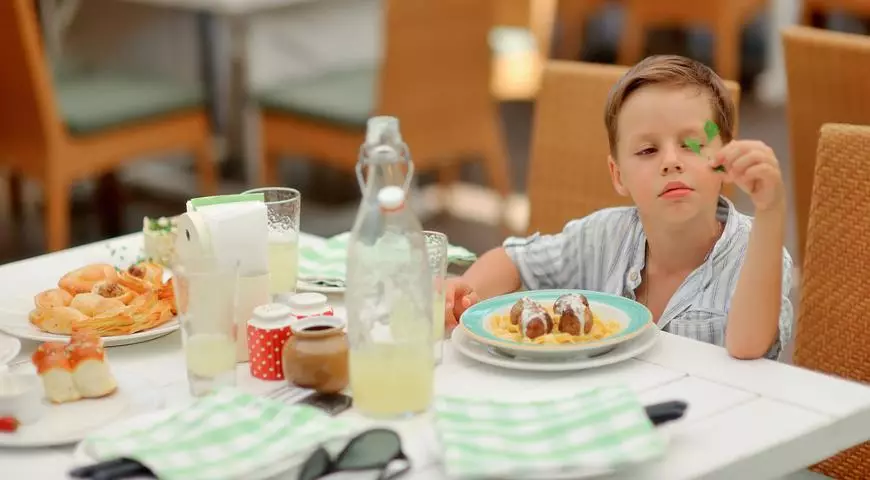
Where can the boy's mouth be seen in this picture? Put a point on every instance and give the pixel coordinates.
(675, 189)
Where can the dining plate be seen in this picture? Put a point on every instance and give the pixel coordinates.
(471, 348)
(68, 423)
(14, 321)
(634, 319)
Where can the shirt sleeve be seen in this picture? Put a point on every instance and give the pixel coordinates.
(548, 261)
(786, 312)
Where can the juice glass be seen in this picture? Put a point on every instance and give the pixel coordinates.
(283, 206)
(436, 247)
(206, 299)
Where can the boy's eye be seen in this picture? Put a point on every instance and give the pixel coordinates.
(647, 151)
(687, 146)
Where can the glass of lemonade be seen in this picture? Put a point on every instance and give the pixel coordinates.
(283, 207)
(436, 246)
(206, 298)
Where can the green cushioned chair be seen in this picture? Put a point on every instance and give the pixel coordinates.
(94, 101)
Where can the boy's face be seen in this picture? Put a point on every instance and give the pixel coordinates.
(653, 164)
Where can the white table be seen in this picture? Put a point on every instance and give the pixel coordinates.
(756, 419)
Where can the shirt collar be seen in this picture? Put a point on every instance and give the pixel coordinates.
(724, 213)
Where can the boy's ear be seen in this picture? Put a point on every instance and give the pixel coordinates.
(616, 176)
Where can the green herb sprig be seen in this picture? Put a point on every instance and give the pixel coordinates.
(710, 130)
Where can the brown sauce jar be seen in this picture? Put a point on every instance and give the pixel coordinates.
(316, 355)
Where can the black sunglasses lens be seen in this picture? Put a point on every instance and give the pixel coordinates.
(374, 449)
(316, 466)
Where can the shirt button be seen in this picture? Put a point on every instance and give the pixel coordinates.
(633, 276)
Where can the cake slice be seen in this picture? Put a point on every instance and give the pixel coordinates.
(53, 365)
(90, 369)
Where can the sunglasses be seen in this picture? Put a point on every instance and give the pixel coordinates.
(374, 449)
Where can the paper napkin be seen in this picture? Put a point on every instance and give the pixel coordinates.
(594, 431)
(226, 435)
(322, 261)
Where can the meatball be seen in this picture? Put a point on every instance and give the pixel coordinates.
(535, 322)
(575, 316)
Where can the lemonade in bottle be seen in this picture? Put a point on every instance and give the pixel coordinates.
(389, 292)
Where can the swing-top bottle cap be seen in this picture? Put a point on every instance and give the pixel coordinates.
(383, 129)
(391, 198)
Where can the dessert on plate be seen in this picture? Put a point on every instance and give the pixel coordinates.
(76, 370)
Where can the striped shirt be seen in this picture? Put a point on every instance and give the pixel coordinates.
(605, 252)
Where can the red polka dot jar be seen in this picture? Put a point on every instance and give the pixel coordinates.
(267, 332)
(309, 304)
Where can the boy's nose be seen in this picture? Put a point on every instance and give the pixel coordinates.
(671, 162)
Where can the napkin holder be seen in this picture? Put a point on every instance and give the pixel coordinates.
(196, 248)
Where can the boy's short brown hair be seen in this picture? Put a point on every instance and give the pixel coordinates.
(676, 71)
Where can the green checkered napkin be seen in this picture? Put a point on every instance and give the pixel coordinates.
(594, 431)
(322, 261)
(226, 435)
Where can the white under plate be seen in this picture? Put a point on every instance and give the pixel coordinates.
(69, 423)
(14, 320)
(463, 343)
(9, 348)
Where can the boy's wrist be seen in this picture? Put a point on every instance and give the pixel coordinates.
(775, 211)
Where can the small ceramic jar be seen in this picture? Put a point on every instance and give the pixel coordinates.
(309, 304)
(316, 355)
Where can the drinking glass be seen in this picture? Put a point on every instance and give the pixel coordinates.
(436, 247)
(283, 206)
(206, 299)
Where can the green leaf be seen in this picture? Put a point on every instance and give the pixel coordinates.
(694, 145)
(711, 129)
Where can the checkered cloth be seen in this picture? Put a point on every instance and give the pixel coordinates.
(226, 435)
(322, 261)
(594, 431)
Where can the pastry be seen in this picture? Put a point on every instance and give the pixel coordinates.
(142, 277)
(53, 366)
(82, 280)
(114, 303)
(113, 289)
(73, 371)
(57, 320)
(575, 316)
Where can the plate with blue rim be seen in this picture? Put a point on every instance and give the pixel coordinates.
(634, 318)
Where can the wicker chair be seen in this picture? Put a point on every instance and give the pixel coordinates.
(568, 175)
(814, 11)
(435, 78)
(833, 333)
(77, 125)
(724, 18)
(827, 82)
(572, 18)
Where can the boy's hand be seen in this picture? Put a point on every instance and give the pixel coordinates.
(753, 167)
(459, 296)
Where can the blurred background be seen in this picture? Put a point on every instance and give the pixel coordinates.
(114, 58)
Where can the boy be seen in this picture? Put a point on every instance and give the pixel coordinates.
(704, 270)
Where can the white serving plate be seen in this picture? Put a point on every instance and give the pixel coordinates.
(14, 321)
(69, 423)
(466, 345)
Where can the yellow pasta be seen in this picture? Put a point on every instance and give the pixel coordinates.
(501, 326)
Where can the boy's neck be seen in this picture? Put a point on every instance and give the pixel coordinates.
(680, 249)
